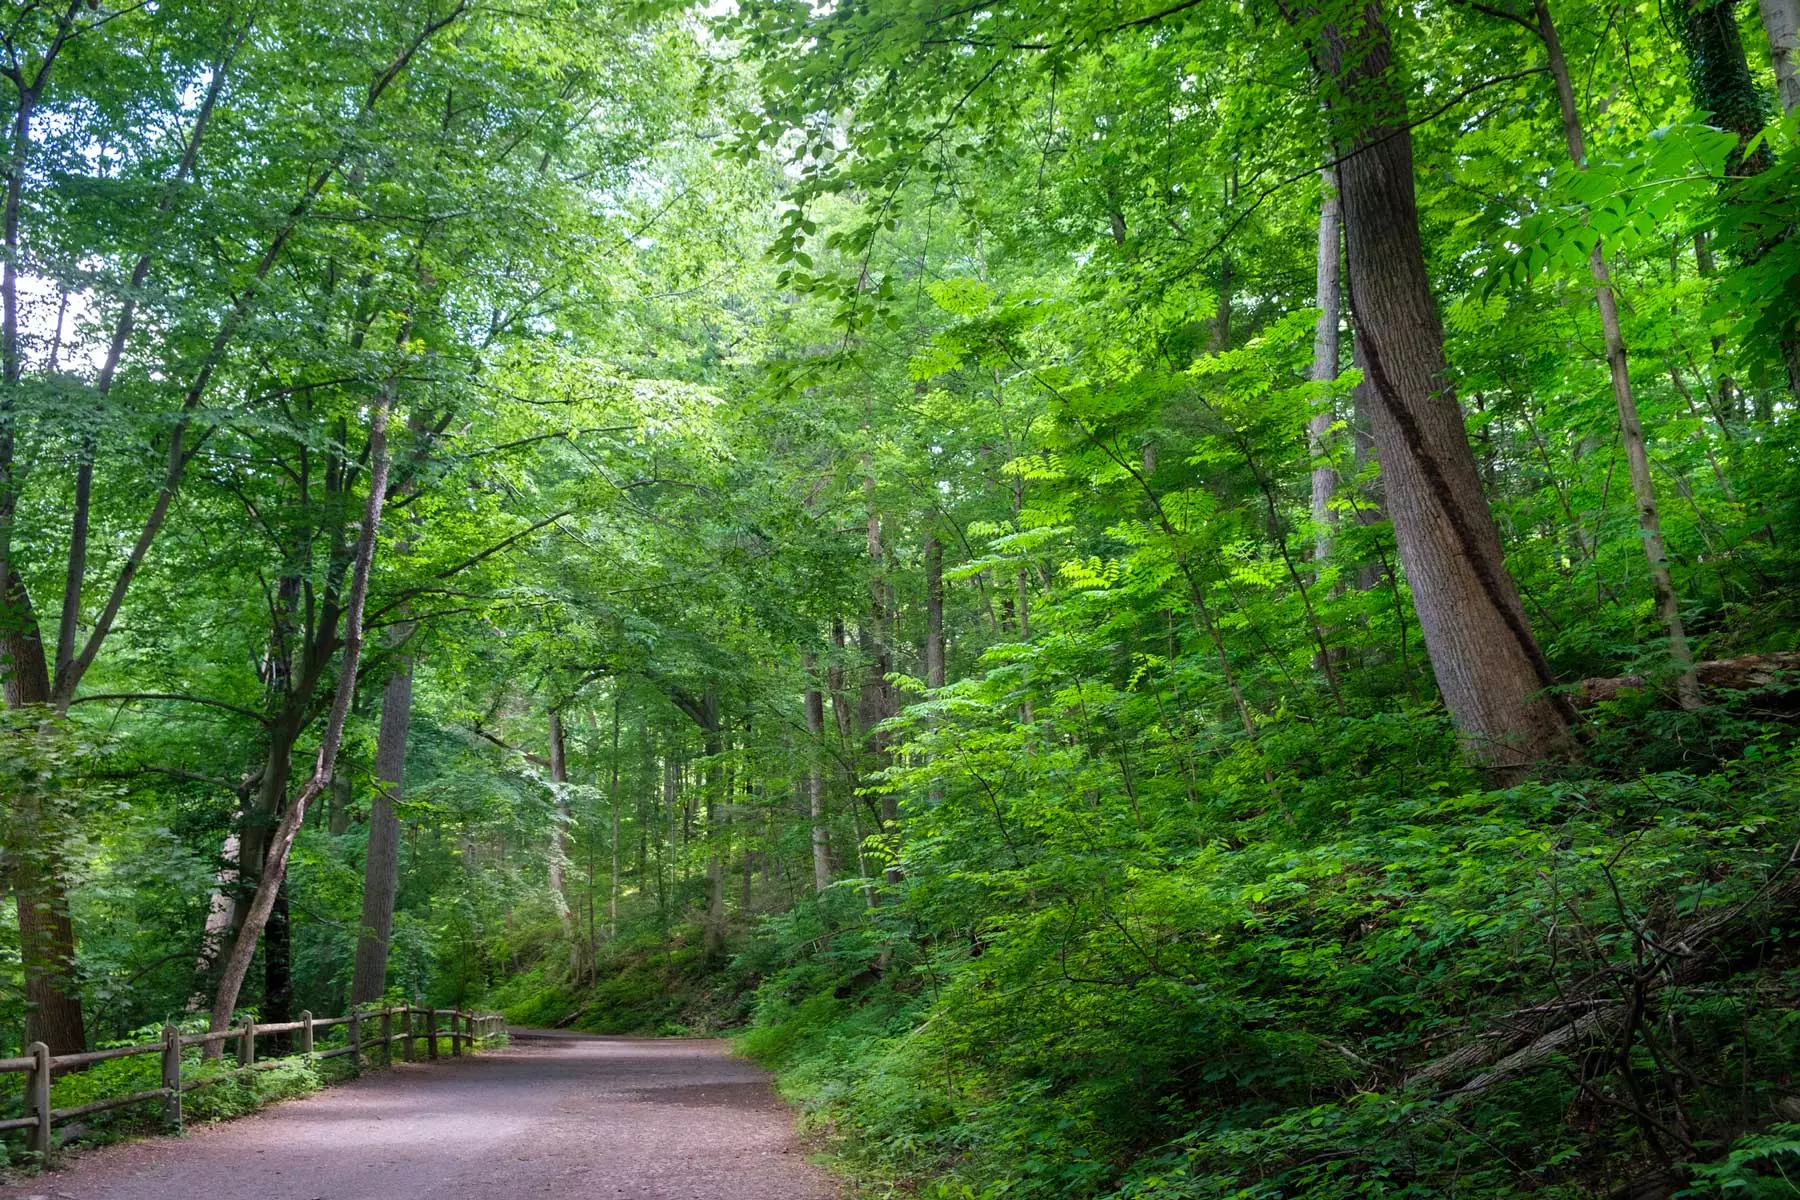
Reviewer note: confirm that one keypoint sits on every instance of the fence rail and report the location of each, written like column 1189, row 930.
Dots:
column 394, row 1025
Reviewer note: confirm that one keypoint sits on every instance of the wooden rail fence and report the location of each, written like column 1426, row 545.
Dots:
column 394, row 1025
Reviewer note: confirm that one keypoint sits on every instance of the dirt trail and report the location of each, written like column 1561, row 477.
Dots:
column 557, row 1117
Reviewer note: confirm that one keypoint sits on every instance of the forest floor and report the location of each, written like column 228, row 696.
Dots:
column 556, row 1116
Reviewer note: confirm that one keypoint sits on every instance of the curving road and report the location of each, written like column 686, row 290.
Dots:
column 553, row 1117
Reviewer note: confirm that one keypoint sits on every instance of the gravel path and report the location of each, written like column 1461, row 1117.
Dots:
column 558, row 1117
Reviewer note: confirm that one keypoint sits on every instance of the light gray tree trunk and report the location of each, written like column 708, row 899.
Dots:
column 1325, row 361
column 559, row 834
column 1781, row 20
column 815, row 775
column 1631, row 429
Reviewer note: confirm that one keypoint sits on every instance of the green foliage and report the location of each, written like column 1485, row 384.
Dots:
column 751, row 367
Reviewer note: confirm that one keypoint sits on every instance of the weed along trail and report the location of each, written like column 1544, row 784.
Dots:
column 561, row 1117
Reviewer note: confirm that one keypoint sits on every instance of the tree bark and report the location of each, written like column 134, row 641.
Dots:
column 34, row 855
column 1490, row 669
column 1325, row 362
column 714, row 933
column 243, row 948
column 381, row 867
column 34, row 849
column 612, row 899
column 559, row 836
column 1631, row 429
column 278, row 962
column 815, row 775
column 1781, row 21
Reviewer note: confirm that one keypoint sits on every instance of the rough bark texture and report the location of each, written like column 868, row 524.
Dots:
column 1631, row 429
column 381, row 868
column 1325, row 359
column 1491, row 672
column 1781, row 20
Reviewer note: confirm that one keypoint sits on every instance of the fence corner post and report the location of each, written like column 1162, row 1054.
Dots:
column 456, row 1046
column 431, row 1033
column 306, row 1031
column 406, row 1033
column 246, row 1054
column 171, row 1077
column 355, row 1040
column 387, row 1036
column 40, row 1099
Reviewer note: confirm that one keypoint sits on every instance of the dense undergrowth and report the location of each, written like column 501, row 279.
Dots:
column 1249, row 1000
column 1241, row 1016
column 644, row 985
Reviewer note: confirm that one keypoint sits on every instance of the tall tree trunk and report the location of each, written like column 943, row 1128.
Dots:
column 934, row 612
column 714, row 932
column 1781, row 21
column 35, row 842
column 612, row 900
column 337, row 806
column 559, row 835
column 1720, row 80
column 381, row 866
column 1325, row 361
column 1492, row 674
column 1631, row 429
column 243, row 947
column 278, row 964
column 815, row 774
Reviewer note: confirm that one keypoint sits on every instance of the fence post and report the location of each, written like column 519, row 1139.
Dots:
column 355, row 1040
column 306, row 1031
column 387, row 1037
column 456, row 1047
column 406, row 1034
column 247, row 1045
column 171, row 1077
column 40, row 1098
column 431, row 1033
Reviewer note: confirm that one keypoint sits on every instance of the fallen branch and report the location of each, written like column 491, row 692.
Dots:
column 1723, row 674
column 1710, row 948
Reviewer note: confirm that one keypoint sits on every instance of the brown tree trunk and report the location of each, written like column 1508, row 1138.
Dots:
column 34, row 854
column 1490, row 669
column 1631, row 429
column 381, row 866
column 34, row 844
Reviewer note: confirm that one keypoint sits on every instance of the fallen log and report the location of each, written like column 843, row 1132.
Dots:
column 1748, row 673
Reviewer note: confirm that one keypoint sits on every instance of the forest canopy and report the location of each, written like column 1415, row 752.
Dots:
column 1196, row 598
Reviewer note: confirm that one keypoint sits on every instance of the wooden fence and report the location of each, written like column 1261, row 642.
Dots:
column 394, row 1025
